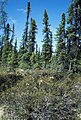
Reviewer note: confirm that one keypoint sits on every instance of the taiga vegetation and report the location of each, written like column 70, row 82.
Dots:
column 41, row 84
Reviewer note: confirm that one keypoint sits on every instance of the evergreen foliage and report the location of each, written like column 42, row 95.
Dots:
column 68, row 48
column 46, row 47
column 5, row 49
column 32, row 34
column 49, row 89
column 15, row 56
column 27, row 23
column 73, row 34
column 61, row 51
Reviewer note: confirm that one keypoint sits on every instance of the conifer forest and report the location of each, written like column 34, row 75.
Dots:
column 41, row 83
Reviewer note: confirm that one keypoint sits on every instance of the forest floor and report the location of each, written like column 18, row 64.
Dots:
column 40, row 95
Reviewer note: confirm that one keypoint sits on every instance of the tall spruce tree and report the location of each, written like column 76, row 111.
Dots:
column 60, row 50
column 46, row 40
column 27, row 23
column 23, row 57
column 32, row 36
column 5, row 49
column 31, row 42
column 74, row 34
column 11, row 47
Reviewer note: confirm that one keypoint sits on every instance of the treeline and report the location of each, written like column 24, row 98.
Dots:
column 67, row 56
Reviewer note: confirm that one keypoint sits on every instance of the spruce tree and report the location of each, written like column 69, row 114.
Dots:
column 15, row 56
column 46, row 40
column 11, row 47
column 60, row 49
column 5, row 49
column 23, row 57
column 30, row 47
column 32, row 36
column 27, row 23
column 73, row 34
